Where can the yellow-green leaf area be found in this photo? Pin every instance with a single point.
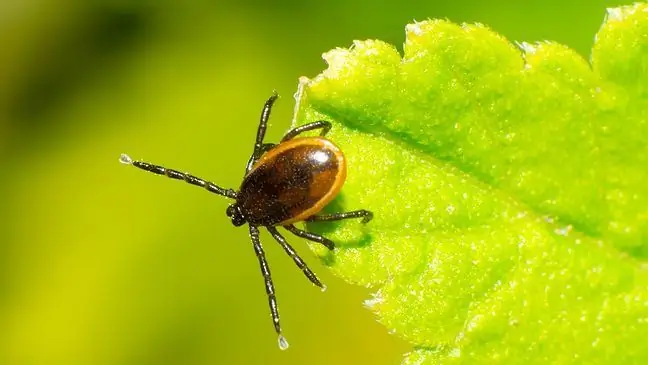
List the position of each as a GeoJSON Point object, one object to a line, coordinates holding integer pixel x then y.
{"type": "Point", "coordinates": [509, 184]}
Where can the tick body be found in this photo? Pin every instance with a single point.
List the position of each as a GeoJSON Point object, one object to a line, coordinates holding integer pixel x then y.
{"type": "Point", "coordinates": [283, 184]}
{"type": "Point", "coordinates": [292, 182]}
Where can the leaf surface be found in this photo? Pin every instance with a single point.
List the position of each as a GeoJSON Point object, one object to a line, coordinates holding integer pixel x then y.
{"type": "Point", "coordinates": [509, 185]}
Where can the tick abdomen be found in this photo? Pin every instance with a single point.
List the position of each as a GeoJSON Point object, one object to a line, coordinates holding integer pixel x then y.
{"type": "Point", "coordinates": [292, 181]}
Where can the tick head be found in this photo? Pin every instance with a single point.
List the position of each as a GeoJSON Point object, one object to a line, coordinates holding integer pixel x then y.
{"type": "Point", "coordinates": [234, 212]}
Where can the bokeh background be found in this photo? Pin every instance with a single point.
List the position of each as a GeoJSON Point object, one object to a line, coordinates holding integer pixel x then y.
{"type": "Point", "coordinates": [103, 264]}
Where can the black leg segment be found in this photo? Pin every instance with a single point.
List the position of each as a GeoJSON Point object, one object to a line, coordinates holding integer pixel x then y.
{"type": "Point", "coordinates": [263, 122]}
{"type": "Point", "coordinates": [310, 236]}
{"type": "Point", "coordinates": [320, 124]}
{"type": "Point", "coordinates": [269, 286]}
{"type": "Point", "coordinates": [177, 175]}
{"type": "Point", "coordinates": [298, 260]}
{"type": "Point", "coordinates": [259, 146]}
{"type": "Point", "coordinates": [364, 214]}
{"type": "Point", "coordinates": [253, 159]}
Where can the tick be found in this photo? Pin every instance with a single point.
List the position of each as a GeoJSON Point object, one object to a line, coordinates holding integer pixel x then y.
{"type": "Point", "coordinates": [283, 184]}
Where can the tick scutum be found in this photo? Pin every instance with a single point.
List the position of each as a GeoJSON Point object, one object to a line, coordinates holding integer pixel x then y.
{"type": "Point", "coordinates": [292, 180]}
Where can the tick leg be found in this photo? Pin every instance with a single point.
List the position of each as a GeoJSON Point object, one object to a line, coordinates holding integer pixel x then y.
{"type": "Point", "coordinates": [310, 236]}
{"type": "Point", "coordinates": [253, 159]}
{"type": "Point", "coordinates": [263, 121]}
{"type": "Point", "coordinates": [364, 214]}
{"type": "Point", "coordinates": [298, 260]}
{"type": "Point", "coordinates": [269, 286]}
{"type": "Point", "coordinates": [320, 124]}
{"type": "Point", "coordinates": [263, 125]}
{"type": "Point", "coordinates": [177, 175]}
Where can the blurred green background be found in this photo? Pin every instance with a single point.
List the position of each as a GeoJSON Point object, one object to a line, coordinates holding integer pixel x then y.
{"type": "Point", "coordinates": [103, 264]}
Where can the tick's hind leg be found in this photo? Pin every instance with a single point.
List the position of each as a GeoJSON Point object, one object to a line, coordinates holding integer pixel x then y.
{"type": "Point", "coordinates": [298, 260]}
{"type": "Point", "coordinates": [310, 236]}
{"type": "Point", "coordinates": [320, 124]}
{"type": "Point", "coordinates": [269, 286]}
{"type": "Point", "coordinates": [364, 214]}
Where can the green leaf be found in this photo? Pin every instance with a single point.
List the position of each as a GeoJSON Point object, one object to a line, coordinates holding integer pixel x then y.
{"type": "Point", "coordinates": [510, 190]}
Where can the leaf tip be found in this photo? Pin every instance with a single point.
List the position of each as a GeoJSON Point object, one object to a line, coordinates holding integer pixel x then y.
{"type": "Point", "coordinates": [335, 61]}
{"type": "Point", "coordinates": [415, 28]}
{"type": "Point", "coordinates": [371, 303]}
{"type": "Point", "coordinates": [527, 47]}
{"type": "Point", "coordinates": [622, 12]}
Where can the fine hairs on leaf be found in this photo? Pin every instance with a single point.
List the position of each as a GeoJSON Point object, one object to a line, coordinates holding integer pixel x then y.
{"type": "Point", "coordinates": [509, 184]}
